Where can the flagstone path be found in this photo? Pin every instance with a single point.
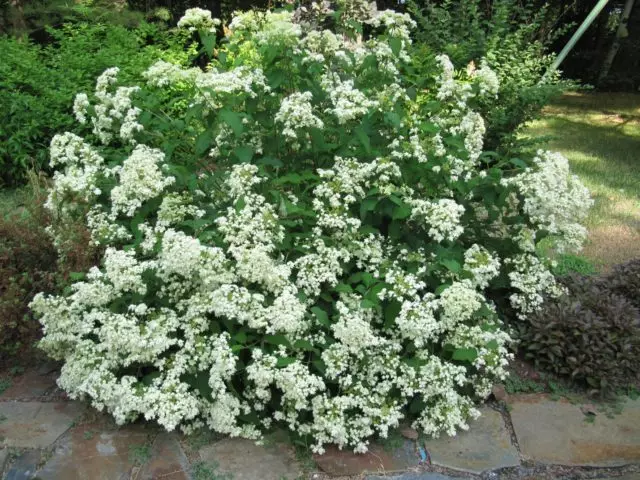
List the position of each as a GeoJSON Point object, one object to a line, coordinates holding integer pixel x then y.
{"type": "Point", "coordinates": [44, 435]}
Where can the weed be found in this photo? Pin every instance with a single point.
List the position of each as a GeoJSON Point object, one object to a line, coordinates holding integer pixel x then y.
{"type": "Point", "coordinates": [201, 438]}
{"type": "Point", "coordinates": [4, 384]}
{"type": "Point", "coordinates": [393, 441]}
{"type": "Point", "coordinates": [16, 370]}
{"type": "Point", "coordinates": [514, 384]}
{"type": "Point", "coordinates": [139, 454]}
{"type": "Point", "coordinates": [88, 434]}
{"type": "Point", "coordinates": [208, 471]}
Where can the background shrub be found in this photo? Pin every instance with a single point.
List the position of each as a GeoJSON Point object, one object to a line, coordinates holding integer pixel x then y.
{"type": "Point", "coordinates": [30, 263]}
{"type": "Point", "coordinates": [513, 38]}
{"type": "Point", "coordinates": [590, 335]}
{"type": "Point", "coordinates": [38, 83]}
{"type": "Point", "coordinates": [27, 266]}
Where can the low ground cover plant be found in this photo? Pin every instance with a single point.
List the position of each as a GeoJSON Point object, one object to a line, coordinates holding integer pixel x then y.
{"type": "Point", "coordinates": [590, 335]}
{"type": "Point", "coordinates": [296, 235]}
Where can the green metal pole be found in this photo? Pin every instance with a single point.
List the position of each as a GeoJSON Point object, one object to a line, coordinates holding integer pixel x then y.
{"type": "Point", "coordinates": [576, 36]}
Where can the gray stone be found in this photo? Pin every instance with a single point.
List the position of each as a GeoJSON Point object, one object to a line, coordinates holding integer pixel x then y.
{"type": "Point", "coordinates": [167, 461]}
{"type": "Point", "coordinates": [628, 476]}
{"type": "Point", "coordinates": [556, 432]}
{"type": "Point", "coordinates": [36, 424]}
{"type": "Point", "coordinates": [247, 461]}
{"type": "Point", "coordinates": [4, 456]}
{"type": "Point", "coordinates": [415, 476]}
{"type": "Point", "coordinates": [485, 446]}
{"type": "Point", "coordinates": [25, 466]}
{"type": "Point", "coordinates": [377, 459]}
{"type": "Point", "coordinates": [85, 452]}
{"type": "Point", "coordinates": [30, 384]}
{"type": "Point", "coordinates": [410, 433]}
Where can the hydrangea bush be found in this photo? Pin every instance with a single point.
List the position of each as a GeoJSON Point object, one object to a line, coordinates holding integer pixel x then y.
{"type": "Point", "coordinates": [296, 235]}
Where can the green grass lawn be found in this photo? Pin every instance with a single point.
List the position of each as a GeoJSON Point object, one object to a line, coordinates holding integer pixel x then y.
{"type": "Point", "coordinates": [600, 135]}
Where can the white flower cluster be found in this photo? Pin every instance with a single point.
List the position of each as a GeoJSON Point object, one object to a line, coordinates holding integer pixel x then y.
{"type": "Point", "coordinates": [481, 264]}
{"type": "Point", "coordinates": [555, 199]}
{"type": "Point", "coordinates": [286, 284]}
{"type": "Point", "coordinates": [296, 112]}
{"type": "Point", "coordinates": [198, 19]}
{"type": "Point", "coordinates": [442, 218]}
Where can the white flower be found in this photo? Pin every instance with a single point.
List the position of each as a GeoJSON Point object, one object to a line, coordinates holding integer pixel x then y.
{"type": "Point", "coordinates": [296, 112]}
{"type": "Point", "coordinates": [140, 179]}
{"type": "Point", "coordinates": [80, 106]}
{"type": "Point", "coordinates": [555, 199]}
{"type": "Point", "coordinates": [198, 19]}
{"type": "Point", "coordinates": [442, 218]}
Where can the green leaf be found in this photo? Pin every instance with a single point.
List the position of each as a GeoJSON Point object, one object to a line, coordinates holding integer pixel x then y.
{"type": "Point", "coordinates": [393, 118]}
{"type": "Point", "coordinates": [244, 153]}
{"type": "Point", "coordinates": [276, 77]}
{"type": "Point", "coordinates": [148, 378]}
{"type": "Point", "coordinates": [364, 139]}
{"type": "Point", "coordinates": [234, 120]}
{"type": "Point", "coordinates": [320, 366]}
{"type": "Point", "coordinates": [465, 354]}
{"type": "Point", "coordinates": [203, 142]}
{"type": "Point", "coordinates": [276, 339]}
{"type": "Point", "coordinates": [367, 205]}
{"type": "Point", "coordinates": [396, 45]}
{"type": "Point", "coordinates": [209, 42]}
{"type": "Point", "coordinates": [284, 361]}
{"type": "Point", "coordinates": [77, 276]}
{"type": "Point", "coordinates": [321, 316]}
{"type": "Point", "coordinates": [343, 288]}
{"type": "Point", "coordinates": [391, 312]}
{"type": "Point", "coordinates": [273, 162]}
{"type": "Point", "coordinates": [451, 264]}
{"type": "Point", "coordinates": [401, 212]}
{"type": "Point", "coordinates": [303, 345]}
{"type": "Point", "coordinates": [367, 303]}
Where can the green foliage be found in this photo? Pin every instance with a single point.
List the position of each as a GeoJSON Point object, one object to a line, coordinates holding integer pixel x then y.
{"type": "Point", "coordinates": [4, 384]}
{"type": "Point", "coordinates": [139, 454]}
{"type": "Point", "coordinates": [512, 37]}
{"type": "Point", "coordinates": [514, 384]}
{"type": "Point", "coordinates": [207, 471]}
{"type": "Point", "coordinates": [38, 84]}
{"type": "Point", "coordinates": [569, 263]}
{"type": "Point", "coordinates": [590, 335]}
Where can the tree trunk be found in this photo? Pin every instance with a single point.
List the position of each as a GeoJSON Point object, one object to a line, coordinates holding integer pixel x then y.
{"type": "Point", "coordinates": [17, 17]}
{"type": "Point", "coordinates": [615, 46]}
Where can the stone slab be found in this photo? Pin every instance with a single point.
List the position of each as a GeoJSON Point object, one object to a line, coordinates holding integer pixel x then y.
{"type": "Point", "coordinates": [167, 461]}
{"type": "Point", "coordinates": [247, 461]}
{"type": "Point", "coordinates": [36, 424]}
{"type": "Point", "coordinates": [555, 432]}
{"type": "Point", "coordinates": [4, 457]}
{"type": "Point", "coordinates": [628, 476]}
{"type": "Point", "coordinates": [485, 446]}
{"type": "Point", "coordinates": [25, 466]}
{"type": "Point", "coordinates": [415, 476]}
{"type": "Point", "coordinates": [85, 452]}
{"type": "Point", "coordinates": [376, 460]}
{"type": "Point", "coordinates": [30, 384]}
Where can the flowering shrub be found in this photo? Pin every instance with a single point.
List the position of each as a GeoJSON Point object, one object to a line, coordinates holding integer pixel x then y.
{"type": "Point", "coordinates": [295, 235]}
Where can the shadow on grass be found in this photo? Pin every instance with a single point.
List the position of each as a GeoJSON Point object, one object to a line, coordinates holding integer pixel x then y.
{"type": "Point", "coordinates": [601, 154]}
